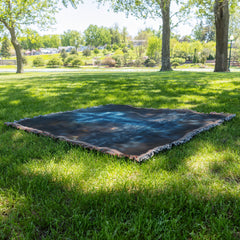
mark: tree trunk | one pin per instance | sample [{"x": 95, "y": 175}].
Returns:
[
  {"x": 165, "y": 8},
  {"x": 221, "y": 12},
  {"x": 17, "y": 48}
]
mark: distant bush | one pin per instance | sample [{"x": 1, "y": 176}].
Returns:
[
  {"x": 119, "y": 60},
  {"x": 150, "y": 62},
  {"x": 178, "y": 60},
  {"x": 138, "y": 62},
  {"x": 109, "y": 48},
  {"x": 86, "y": 52},
  {"x": 76, "y": 62},
  {"x": 105, "y": 52},
  {"x": 54, "y": 62},
  {"x": 63, "y": 54},
  {"x": 38, "y": 62},
  {"x": 115, "y": 47},
  {"x": 96, "y": 50},
  {"x": 125, "y": 50},
  {"x": 175, "y": 64},
  {"x": 74, "y": 51},
  {"x": 73, "y": 61},
  {"x": 68, "y": 60},
  {"x": 109, "y": 61},
  {"x": 97, "y": 62}
]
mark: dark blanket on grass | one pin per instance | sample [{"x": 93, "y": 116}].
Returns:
[{"x": 123, "y": 130}]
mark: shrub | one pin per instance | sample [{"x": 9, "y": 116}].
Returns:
[
  {"x": 138, "y": 62},
  {"x": 63, "y": 54},
  {"x": 109, "y": 48},
  {"x": 74, "y": 51},
  {"x": 175, "y": 64},
  {"x": 68, "y": 60},
  {"x": 119, "y": 60},
  {"x": 125, "y": 50},
  {"x": 97, "y": 62},
  {"x": 38, "y": 62},
  {"x": 105, "y": 52},
  {"x": 178, "y": 60},
  {"x": 109, "y": 61},
  {"x": 76, "y": 62},
  {"x": 96, "y": 50},
  {"x": 115, "y": 46},
  {"x": 54, "y": 62},
  {"x": 150, "y": 62},
  {"x": 86, "y": 52}
]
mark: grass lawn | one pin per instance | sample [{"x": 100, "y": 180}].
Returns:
[{"x": 52, "y": 190}]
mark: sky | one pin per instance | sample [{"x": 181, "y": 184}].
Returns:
[{"x": 88, "y": 13}]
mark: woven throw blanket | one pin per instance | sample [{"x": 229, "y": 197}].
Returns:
[{"x": 122, "y": 130}]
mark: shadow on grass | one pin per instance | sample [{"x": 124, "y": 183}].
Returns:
[{"x": 109, "y": 198}]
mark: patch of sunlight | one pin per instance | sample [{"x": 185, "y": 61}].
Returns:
[
  {"x": 110, "y": 98},
  {"x": 156, "y": 91},
  {"x": 193, "y": 98},
  {"x": 15, "y": 102},
  {"x": 5, "y": 207},
  {"x": 17, "y": 135},
  {"x": 66, "y": 172},
  {"x": 115, "y": 176}
]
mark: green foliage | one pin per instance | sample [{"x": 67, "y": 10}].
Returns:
[
  {"x": 109, "y": 62},
  {"x": 138, "y": 62},
  {"x": 77, "y": 62},
  {"x": 74, "y": 51},
  {"x": 115, "y": 35},
  {"x": 119, "y": 60},
  {"x": 38, "y": 62},
  {"x": 154, "y": 48},
  {"x": 68, "y": 60},
  {"x": 109, "y": 47},
  {"x": 51, "y": 41},
  {"x": 54, "y": 62},
  {"x": 86, "y": 52},
  {"x": 125, "y": 50},
  {"x": 178, "y": 60},
  {"x": 73, "y": 61},
  {"x": 150, "y": 62},
  {"x": 97, "y": 36},
  {"x": 63, "y": 54},
  {"x": 71, "y": 38},
  {"x": 96, "y": 50},
  {"x": 31, "y": 40},
  {"x": 115, "y": 47},
  {"x": 175, "y": 64},
  {"x": 5, "y": 49}
]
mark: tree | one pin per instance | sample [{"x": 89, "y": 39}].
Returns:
[
  {"x": 51, "y": 41},
  {"x": 144, "y": 9},
  {"x": 97, "y": 36},
  {"x": 205, "y": 32},
  {"x": 72, "y": 38},
  {"x": 15, "y": 15},
  {"x": 221, "y": 10},
  {"x": 5, "y": 49},
  {"x": 31, "y": 41},
  {"x": 115, "y": 35},
  {"x": 154, "y": 48},
  {"x": 234, "y": 25}
]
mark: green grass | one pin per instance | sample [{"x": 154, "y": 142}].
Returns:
[{"x": 52, "y": 190}]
